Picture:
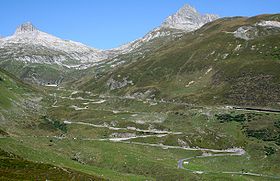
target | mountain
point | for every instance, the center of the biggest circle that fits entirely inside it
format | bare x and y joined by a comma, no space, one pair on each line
197,98
31,45
198,67
188,19
41,58
37,57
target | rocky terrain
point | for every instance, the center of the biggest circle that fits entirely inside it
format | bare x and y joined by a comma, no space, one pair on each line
197,67
196,98
37,53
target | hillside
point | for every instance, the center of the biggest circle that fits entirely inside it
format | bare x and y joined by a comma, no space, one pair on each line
21,110
231,61
197,98
41,58
19,103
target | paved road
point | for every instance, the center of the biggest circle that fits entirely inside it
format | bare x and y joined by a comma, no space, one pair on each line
238,153
257,109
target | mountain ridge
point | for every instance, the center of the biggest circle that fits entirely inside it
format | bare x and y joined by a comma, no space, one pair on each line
28,34
197,68
176,104
41,58
187,19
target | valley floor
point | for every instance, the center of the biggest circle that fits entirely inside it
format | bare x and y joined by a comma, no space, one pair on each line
94,137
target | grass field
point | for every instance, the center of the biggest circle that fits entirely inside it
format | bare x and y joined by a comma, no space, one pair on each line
147,128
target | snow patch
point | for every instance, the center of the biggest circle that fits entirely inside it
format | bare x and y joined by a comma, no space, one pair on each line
275,24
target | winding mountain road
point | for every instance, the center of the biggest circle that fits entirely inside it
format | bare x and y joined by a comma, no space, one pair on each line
237,152
182,163
154,131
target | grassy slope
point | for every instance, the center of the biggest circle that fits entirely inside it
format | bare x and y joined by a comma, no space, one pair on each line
206,127
105,157
20,104
253,81
11,89
13,167
258,134
119,161
18,119
33,73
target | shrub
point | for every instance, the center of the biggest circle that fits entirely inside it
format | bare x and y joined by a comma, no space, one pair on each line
277,124
275,54
51,124
269,150
262,134
228,118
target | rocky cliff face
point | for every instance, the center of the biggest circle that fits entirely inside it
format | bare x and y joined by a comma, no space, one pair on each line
188,19
25,28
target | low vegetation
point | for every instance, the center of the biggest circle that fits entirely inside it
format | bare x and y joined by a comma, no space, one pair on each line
228,118
151,114
13,167
52,125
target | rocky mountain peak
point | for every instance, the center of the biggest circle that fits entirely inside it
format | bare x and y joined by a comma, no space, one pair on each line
188,19
25,28
187,9
27,41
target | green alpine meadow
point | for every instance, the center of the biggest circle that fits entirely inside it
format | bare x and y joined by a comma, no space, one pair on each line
197,98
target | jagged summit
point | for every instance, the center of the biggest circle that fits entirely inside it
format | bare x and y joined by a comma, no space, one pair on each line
188,19
187,8
25,27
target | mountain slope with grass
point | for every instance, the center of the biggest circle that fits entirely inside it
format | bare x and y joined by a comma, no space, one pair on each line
231,61
40,58
20,103
195,99
22,116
